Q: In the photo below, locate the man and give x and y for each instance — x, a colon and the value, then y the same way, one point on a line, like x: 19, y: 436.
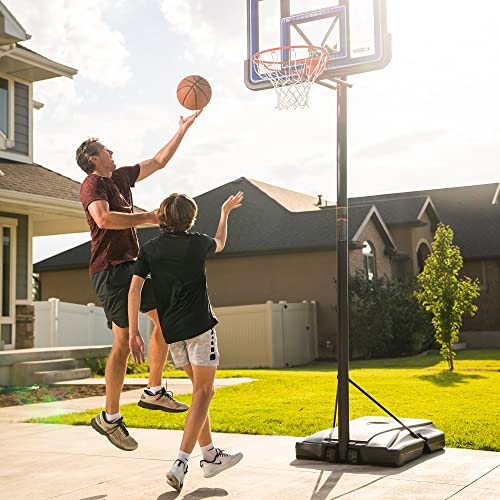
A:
x: 107, y: 200
x: 176, y: 261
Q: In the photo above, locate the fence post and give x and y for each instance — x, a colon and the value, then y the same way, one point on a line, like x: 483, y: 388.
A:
x: 90, y: 323
x: 54, y: 318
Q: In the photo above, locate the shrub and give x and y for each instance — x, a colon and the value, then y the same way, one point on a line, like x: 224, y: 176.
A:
x: 386, y: 319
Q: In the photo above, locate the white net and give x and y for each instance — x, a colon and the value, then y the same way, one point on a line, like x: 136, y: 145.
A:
x: 292, y: 71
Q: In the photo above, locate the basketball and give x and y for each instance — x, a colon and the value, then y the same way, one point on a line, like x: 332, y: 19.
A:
x: 194, y: 92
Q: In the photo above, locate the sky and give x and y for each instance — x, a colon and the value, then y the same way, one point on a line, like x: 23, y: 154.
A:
x: 428, y: 120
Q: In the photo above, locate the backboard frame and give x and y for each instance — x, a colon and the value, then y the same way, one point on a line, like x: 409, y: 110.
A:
x: 341, y: 63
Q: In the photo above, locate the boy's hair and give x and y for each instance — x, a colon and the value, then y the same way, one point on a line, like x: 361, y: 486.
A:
x: 177, y: 213
x: 87, y: 149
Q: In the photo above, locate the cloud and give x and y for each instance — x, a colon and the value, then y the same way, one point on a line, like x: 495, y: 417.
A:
x: 77, y: 34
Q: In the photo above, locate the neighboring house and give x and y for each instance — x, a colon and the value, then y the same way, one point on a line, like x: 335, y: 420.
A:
x: 281, y: 246
x: 34, y: 201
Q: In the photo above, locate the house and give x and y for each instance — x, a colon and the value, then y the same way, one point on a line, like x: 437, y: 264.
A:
x: 34, y: 201
x: 281, y: 246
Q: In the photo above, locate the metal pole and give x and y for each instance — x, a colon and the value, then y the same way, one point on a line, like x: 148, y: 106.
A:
x: 342, y: 276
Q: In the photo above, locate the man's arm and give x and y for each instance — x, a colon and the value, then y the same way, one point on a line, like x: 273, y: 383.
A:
x: 99, y: 210
x: 165, y: 154
x: 230, y: 204
x: 135, y: 341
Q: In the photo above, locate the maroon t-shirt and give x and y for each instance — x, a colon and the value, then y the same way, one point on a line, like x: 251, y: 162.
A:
x: 111, y: 246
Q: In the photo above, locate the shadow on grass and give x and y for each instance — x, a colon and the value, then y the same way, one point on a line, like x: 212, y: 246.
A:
x: 450, y: 379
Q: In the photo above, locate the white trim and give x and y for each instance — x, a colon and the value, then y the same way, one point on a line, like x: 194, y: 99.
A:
x: 428, y: 202
x: 496, y: 195
x: 373, y: 211
x: 39, y: 201
x: 11, y: 319
x: 9, y: 154
x: 23, y: 302
x: 41, y: 62
x: 29, y: 252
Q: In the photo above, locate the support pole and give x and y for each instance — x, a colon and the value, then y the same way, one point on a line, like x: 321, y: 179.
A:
x: 342, y: 276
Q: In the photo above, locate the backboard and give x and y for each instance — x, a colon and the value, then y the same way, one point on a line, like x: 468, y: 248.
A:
x: 353, y: 31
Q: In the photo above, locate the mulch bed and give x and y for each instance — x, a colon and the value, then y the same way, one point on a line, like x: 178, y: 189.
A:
x: 16, y: 396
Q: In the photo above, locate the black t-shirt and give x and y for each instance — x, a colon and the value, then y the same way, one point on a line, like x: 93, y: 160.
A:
x: 176, y: 262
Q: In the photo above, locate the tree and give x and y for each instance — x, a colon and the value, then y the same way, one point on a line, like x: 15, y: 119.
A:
x: 445, y: 294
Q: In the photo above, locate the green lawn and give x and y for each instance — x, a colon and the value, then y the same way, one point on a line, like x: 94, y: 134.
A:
x: 299, y: 401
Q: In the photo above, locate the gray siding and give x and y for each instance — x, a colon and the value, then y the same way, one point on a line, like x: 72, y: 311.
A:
x: 21, y: 255
x: 21, y: 118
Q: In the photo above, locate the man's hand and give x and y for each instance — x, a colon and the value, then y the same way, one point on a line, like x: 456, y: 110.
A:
x: 136, y: 345
x: 185, y: 123
x: 153, y: 217
x: 232, y: 202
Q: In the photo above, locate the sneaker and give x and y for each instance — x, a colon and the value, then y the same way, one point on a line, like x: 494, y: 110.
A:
x: 222, y: 461
x: 116, y: 432
x: 163, y: 400
x: 176, y: 474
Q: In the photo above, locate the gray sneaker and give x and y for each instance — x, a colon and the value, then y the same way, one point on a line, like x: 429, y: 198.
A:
x: 116, y: 432
x: 163, y: 401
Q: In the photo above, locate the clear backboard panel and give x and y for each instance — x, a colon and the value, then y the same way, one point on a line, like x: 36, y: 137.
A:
x: 353, y: 31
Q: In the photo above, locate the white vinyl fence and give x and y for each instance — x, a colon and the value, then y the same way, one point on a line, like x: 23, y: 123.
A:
x: 61, y: 324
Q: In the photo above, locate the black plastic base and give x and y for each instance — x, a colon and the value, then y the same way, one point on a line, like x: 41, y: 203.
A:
x: 375, y: 441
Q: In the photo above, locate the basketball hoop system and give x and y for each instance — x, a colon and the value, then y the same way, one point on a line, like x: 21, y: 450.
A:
x: 292, y: 70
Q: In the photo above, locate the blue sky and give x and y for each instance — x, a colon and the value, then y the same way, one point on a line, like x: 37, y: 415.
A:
x: 428, y: 120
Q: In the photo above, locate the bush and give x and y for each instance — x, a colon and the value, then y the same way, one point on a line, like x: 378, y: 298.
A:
x: 132, y: 367
x: 386, y: 319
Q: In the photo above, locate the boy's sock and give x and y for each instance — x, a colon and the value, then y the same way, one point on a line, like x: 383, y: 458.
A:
x: 156, y: 389
x: 110, y: 418
x: 209, y: 452
x: 183, y: 456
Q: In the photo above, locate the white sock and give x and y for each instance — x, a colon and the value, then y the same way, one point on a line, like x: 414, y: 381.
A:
x: 156, y: 389
x: 110, y: 418
x: 183, y: 456
x: 208, y: 452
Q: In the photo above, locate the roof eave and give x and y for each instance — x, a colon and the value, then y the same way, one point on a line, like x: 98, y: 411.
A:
x: 40, y: 201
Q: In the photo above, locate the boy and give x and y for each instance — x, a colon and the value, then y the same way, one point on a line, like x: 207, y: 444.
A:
x: 176, y: 261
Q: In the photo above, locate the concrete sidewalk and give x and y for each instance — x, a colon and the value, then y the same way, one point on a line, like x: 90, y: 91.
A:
x: 41, y: 462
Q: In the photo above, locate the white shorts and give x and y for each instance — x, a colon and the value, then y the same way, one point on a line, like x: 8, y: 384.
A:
x: 200, y: 351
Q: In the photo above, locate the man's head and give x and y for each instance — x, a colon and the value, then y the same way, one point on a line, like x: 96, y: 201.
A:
x: 177, y: 213
x: 92, y: 156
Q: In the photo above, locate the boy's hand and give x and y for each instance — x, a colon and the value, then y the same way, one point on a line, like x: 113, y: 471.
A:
x: 232, y: 202
x: 136, y: 345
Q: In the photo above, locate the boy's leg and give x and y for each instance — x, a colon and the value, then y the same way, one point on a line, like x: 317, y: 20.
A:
x: 158, y: 351
x: 196, y: 421
x: 156, y: 397
x: 116, y: 367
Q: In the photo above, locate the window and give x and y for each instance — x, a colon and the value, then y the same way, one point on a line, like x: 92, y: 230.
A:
x: 369, y: 263
x: 4, y: 106
x: 422, y: 253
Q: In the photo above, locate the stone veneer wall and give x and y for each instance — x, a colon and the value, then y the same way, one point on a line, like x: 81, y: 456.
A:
x: 25, y: 326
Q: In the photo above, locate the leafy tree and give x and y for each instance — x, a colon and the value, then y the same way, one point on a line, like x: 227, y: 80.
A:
x: 443, y: 293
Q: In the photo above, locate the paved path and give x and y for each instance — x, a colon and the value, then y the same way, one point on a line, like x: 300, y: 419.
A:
x: 13, y: 414
x: 42, y: 462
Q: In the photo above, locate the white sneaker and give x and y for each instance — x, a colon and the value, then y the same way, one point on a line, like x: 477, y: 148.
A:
x: 176, y: 474
x: 221, y: 462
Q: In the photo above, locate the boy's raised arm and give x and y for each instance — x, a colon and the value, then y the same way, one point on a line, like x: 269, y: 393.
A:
x: 230, y: 204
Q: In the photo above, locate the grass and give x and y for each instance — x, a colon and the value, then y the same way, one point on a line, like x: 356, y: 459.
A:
x: 299, y: 401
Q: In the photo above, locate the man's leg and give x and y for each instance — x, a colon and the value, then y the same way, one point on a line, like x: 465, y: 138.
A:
x: 116, y: 367
x: 158, y: 351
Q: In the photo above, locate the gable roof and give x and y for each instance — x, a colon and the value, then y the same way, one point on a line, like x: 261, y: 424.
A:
x: 261, y: 226
x: 11, y: 30
x: 467, y: 209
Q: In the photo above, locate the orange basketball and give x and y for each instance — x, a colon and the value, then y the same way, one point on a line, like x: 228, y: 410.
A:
x: 194, y: 92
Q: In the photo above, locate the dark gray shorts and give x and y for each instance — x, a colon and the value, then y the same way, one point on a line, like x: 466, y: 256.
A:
x: 112, y: 286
